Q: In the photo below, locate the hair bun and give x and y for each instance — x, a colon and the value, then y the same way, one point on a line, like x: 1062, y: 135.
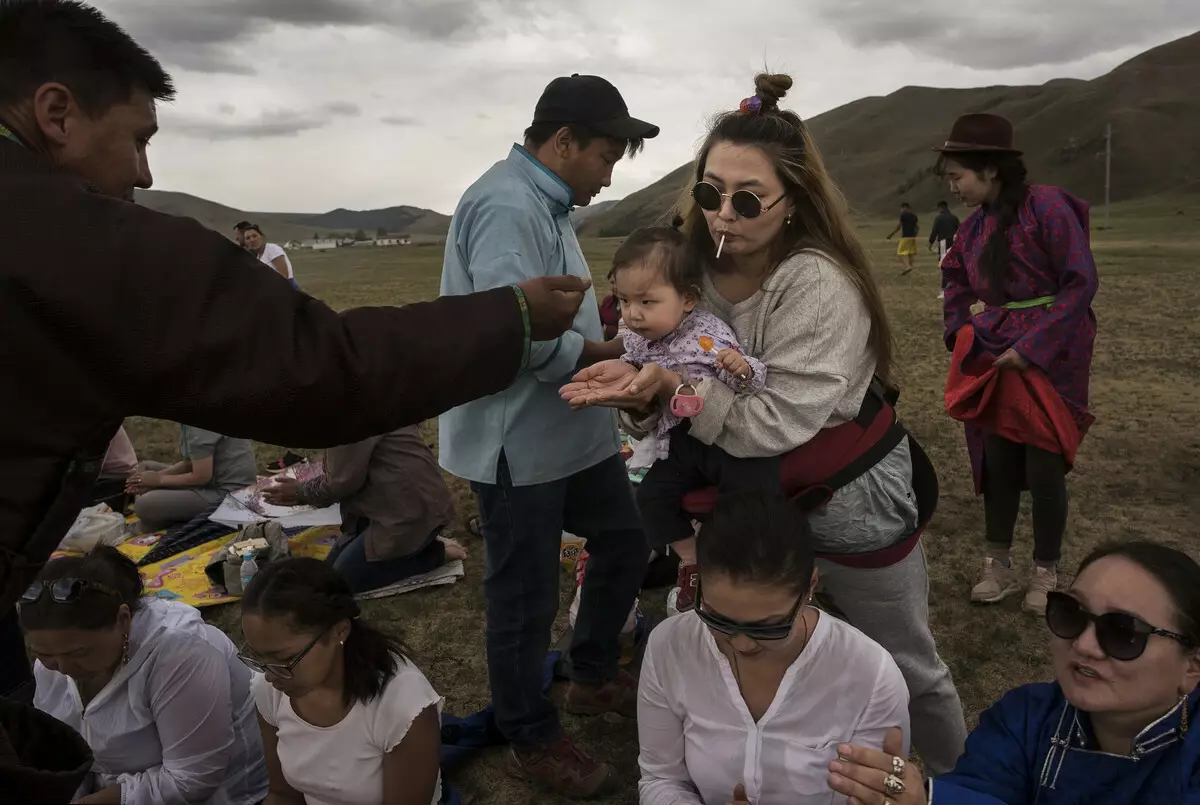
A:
x: 772, y: 88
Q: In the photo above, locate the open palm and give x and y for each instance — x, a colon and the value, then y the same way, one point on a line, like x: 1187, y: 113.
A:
x: 600, y: 381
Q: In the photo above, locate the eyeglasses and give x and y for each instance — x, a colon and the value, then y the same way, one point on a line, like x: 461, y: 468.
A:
x: 745, y: 203
x: 1120, y: 635
x: 283, y: 671
x: 64, y: 591
x: 758, y: 632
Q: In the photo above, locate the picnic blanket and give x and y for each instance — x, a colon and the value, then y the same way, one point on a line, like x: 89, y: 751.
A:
x: 182, y: 577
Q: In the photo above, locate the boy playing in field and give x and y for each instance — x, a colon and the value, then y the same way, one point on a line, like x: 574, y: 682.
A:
x: 909, y: 228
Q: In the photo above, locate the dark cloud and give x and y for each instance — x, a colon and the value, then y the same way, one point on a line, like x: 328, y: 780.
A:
x: 203, y: 35
x: 399, y: 120
x: 1019, y: 33
x: 269, y: 124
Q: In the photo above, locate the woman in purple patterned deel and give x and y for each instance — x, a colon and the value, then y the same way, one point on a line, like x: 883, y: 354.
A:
x: 1024, y: 252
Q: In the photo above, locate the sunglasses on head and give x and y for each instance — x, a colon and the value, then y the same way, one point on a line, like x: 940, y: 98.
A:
x: 280, y: 670
x: 64, y: 591
x: 1120, y: 635
x: 745, y: 203
x: 758, y: 632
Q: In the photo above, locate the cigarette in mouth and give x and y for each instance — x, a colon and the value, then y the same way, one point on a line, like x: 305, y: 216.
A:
x: 720, y: 246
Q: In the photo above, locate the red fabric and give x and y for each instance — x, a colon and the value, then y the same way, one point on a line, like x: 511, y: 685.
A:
x: 610, y: 316
x: 806, y: 469
x: 1019, y: 406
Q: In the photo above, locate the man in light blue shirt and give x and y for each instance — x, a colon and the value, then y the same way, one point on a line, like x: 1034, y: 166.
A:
x: 536, y: 466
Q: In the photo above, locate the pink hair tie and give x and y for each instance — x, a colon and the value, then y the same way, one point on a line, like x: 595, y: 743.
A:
x: 751, y: 105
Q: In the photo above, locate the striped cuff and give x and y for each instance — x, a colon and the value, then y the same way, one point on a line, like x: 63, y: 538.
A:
x: 523, y: 303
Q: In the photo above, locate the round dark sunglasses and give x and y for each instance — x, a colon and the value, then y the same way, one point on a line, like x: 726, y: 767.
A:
x: 1120, y: 635
x: 745, y: 203
x: 280, y: 670
x: 64, y: 591
x: 759, y: 632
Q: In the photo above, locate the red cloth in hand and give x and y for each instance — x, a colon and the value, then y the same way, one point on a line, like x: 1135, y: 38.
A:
x: 1019, y: 406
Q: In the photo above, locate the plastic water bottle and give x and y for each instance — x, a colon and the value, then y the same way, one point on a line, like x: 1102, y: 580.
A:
x: 249, y: 568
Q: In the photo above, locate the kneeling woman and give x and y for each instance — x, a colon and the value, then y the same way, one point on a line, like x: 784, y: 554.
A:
x: 345, y: 718
x: 755, y: 688
x: 1117, y: 725
x: 1024, y: 252
x: 158, y: 694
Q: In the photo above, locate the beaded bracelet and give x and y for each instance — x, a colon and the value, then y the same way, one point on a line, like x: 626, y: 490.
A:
x: 527, y: 346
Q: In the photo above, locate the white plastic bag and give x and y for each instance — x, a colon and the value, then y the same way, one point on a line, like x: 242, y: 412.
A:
x: 95, y: 525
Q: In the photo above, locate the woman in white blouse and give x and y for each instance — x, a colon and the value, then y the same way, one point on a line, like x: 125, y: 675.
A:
x: 270, y: 253
x: 346, y: 719
x: 158, y: 694
x: 755, y: 689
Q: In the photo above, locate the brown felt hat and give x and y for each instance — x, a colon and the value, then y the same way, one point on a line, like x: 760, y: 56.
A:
x: 980, y: 132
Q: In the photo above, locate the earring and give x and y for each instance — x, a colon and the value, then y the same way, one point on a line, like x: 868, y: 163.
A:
x: 125, y: 650
x: 1183, y: 715
x: 787, y: 221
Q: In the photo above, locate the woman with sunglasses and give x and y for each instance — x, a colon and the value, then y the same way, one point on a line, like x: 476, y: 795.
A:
x: 158, y: 694
x: 756, y: 689
x: 1116, y: 725
x: 346, y: 718
x: 789, y: 274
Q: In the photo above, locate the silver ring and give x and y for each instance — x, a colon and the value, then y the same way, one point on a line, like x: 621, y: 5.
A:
x: 893, y: 785
x: 898, y: 766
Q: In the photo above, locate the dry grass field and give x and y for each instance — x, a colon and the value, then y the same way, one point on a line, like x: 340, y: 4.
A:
x: 1136, y: 474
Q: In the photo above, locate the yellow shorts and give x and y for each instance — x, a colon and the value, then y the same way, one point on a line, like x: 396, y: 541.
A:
x: 907, y: 246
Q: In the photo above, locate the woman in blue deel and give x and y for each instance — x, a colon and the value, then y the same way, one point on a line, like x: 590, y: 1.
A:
x: 1118, y: 724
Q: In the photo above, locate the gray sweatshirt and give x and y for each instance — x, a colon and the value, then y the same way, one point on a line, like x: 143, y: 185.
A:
x: 811, y: 328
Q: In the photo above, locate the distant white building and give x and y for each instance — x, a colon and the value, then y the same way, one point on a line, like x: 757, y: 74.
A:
x: 319, y: 245
x: 403, y: 240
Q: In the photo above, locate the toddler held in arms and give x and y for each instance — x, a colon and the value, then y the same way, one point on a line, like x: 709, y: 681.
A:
x: 657, y: 278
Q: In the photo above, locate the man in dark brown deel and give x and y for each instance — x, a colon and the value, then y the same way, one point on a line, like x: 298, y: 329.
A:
x: 108, y: 309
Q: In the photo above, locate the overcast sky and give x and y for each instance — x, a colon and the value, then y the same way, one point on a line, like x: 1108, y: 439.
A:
x: 308, y: 105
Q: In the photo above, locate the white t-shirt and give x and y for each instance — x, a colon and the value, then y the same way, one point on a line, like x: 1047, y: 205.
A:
x: 273, y: 250
x: 698, y: 739
x: 343, y: 764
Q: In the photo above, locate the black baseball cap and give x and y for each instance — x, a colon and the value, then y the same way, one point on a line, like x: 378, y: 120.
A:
x: 590, y: 101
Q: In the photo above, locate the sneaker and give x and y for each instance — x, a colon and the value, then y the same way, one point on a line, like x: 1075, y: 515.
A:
x: 1044, y: 581
x: 997, y: 583
x: 617, y: 696
x: 563, y: 768
x: 686, y: 581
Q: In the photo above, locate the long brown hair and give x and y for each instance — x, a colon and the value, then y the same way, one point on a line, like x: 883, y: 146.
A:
x: 821, y: 219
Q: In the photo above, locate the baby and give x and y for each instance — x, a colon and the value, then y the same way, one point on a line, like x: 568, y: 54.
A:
x: 657, y: 278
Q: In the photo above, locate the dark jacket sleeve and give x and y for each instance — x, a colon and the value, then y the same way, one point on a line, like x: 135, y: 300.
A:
x: 211, y: 339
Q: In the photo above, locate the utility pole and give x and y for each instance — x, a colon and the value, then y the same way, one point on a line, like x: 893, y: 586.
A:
x: 1108, y: 177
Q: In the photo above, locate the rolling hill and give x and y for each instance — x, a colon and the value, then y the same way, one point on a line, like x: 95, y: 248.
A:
x: 281, y: 226
x: 878, y: 148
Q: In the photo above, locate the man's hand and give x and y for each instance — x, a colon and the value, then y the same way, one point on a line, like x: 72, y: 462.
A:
x: 735, y: 363
x: 553, y: 303
x: 284, y: 492
x: 1011, y: 359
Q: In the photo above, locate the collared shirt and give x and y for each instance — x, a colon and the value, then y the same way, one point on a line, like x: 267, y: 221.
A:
x: 698, y: 739
x: 1033, y: 746
x: 513, y: 224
